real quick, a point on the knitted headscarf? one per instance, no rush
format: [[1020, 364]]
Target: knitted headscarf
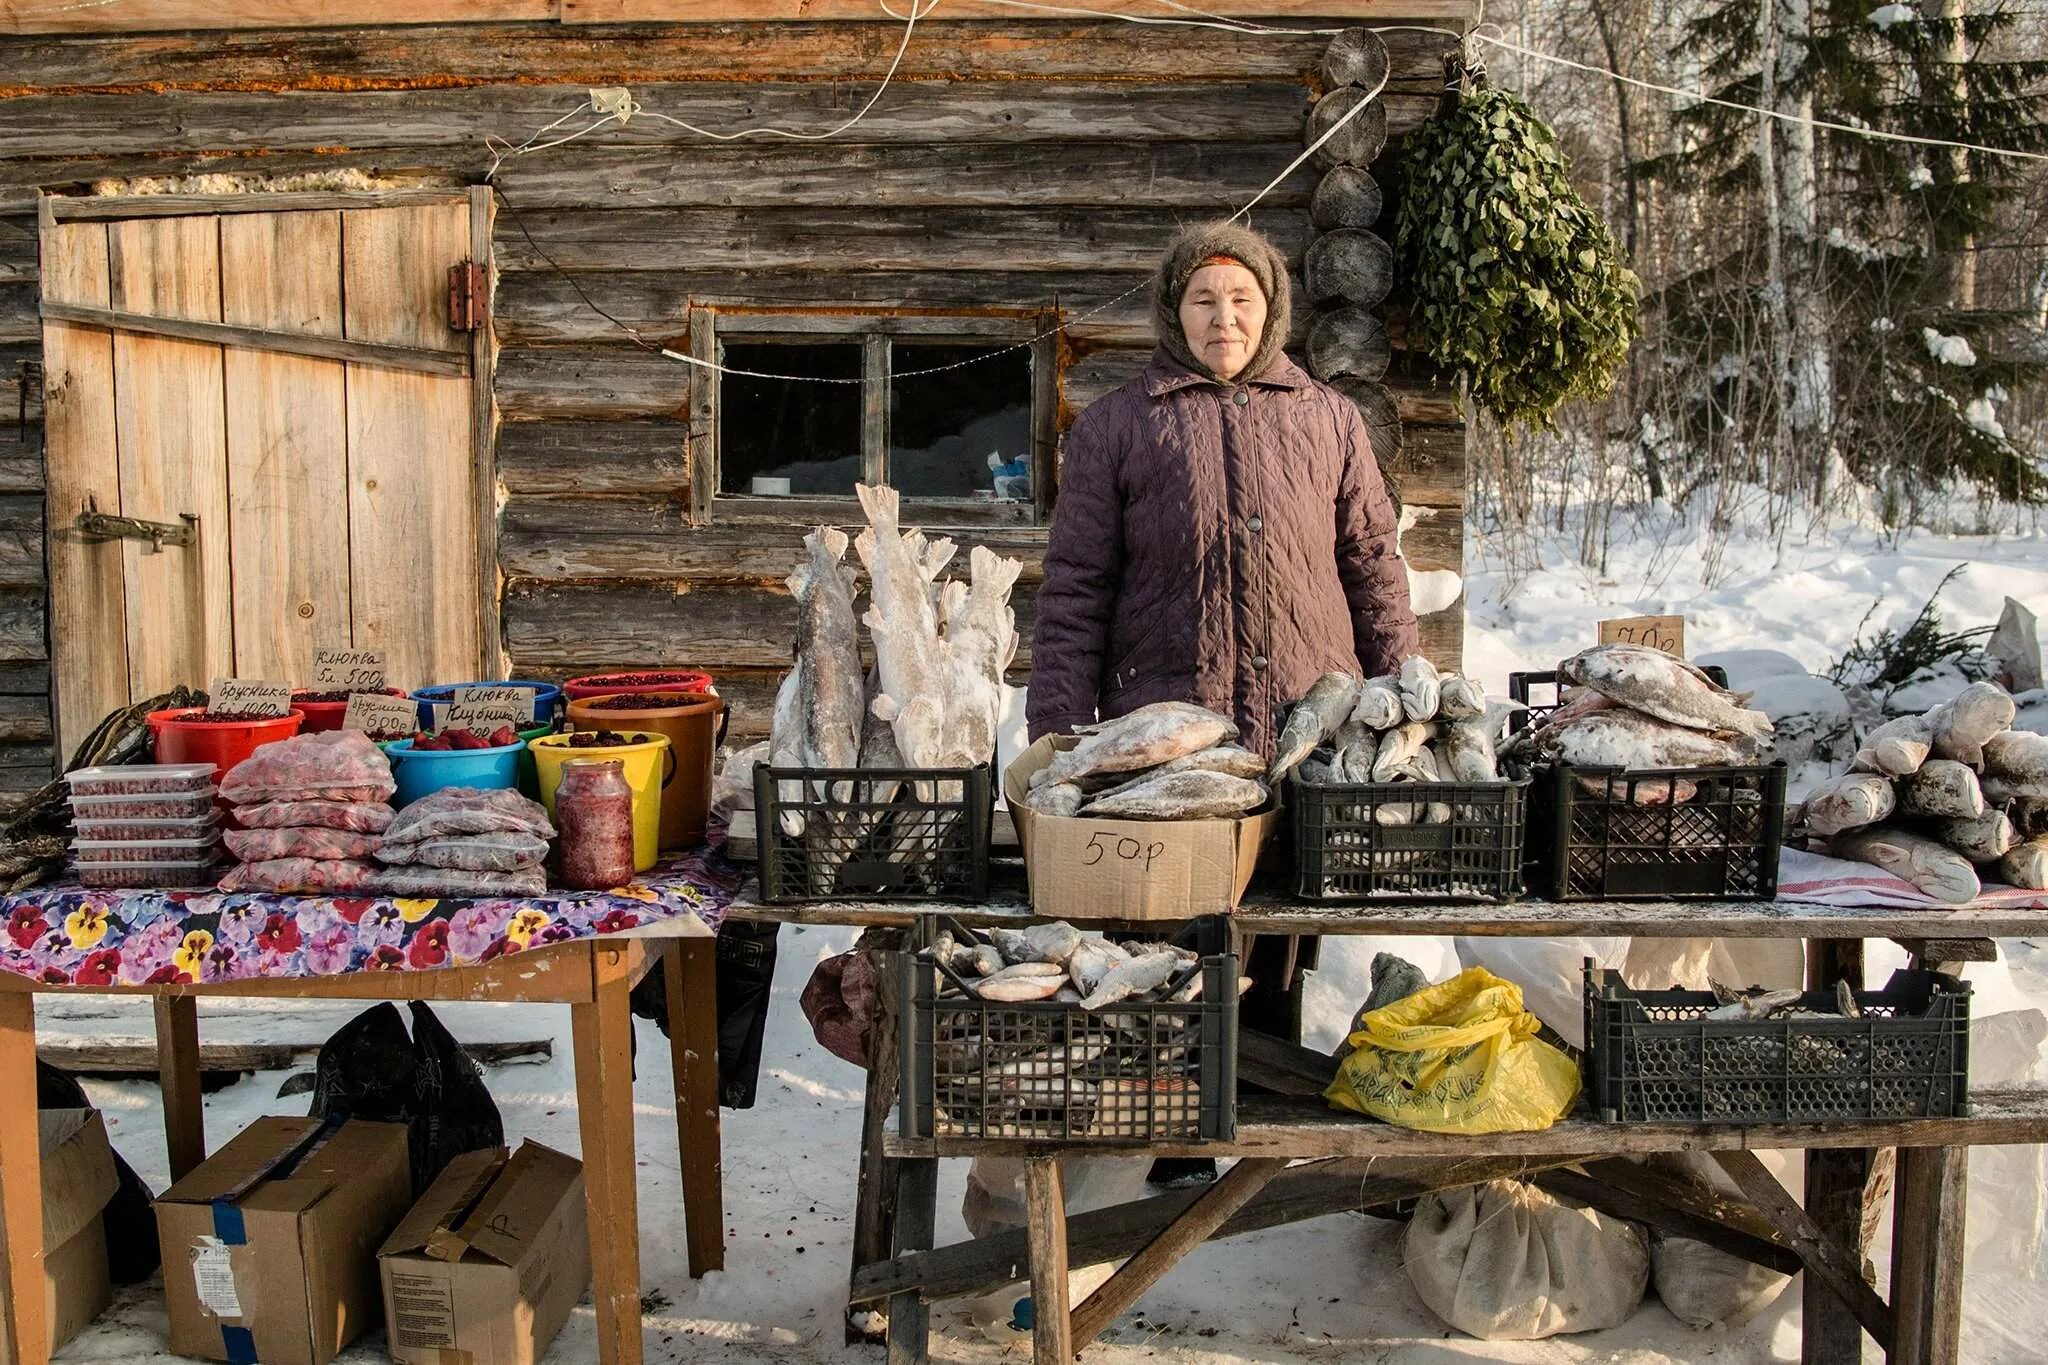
[[1192, 250]]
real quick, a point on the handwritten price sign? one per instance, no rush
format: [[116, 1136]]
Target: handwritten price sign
[[375, 714], [1665, 633], [249, 696], [485, 716], [1121, 848], [348, 669]]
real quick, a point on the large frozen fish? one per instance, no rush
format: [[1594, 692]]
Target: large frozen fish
[[1964, 722], [833, 687], [1019, 990], [1054, 942], [1850, 801], [1943, 787], [2016, 766], [1222, 758], [1315, 719], [1658, 685], [1146, 738], [1939, 871], [1379, 703], [1982, 838], [903, 623], [1421, 688], [1897, 747], [1186, 795], [1622, 738], [1057, 798], [1461, 698], [1469, 744], [981, 639], [786, 746], [1398, 749], [2025, 865], [1147, 973], [1093, 960]]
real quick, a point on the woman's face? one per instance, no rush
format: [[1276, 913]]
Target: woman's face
[[1222, 314]]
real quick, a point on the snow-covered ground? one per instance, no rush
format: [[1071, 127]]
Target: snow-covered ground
[[1327, 1291]]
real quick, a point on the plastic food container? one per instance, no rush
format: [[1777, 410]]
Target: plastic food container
[[130, 851], [95, 830], [547, 699], [141, 779], [185, 874], [422, 772], [167, 806], [649, 762], [327, 715], [646, 680], [182, 739]]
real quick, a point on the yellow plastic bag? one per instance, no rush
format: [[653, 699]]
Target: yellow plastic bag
[[1460, 1057]]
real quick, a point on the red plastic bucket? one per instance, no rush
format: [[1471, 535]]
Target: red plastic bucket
[[649, 680], [179, 739], [327, 715]]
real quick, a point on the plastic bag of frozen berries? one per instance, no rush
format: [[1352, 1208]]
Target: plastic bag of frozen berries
[[334, 765]]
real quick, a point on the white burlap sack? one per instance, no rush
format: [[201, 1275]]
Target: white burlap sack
[[1702, 1285], [1506, 1262]]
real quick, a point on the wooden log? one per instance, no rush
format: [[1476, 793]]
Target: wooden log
[[1361, 140], [18, 321], [371, 121], [1382, 414], [1836, 1269], [1134, 174], [590, 458], [917, 1193], [1348, 197], [123, 1057], [1349, 265], [875, 1186], [1927, 1255], [588, 382], [21, 626], [25, 679], [1045, 1208], [25, 16], [22, 182], [834, 239], [1357, 56], [1347, 340], [778, 11], [392, 57]]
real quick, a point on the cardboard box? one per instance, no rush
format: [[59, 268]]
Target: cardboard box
[[486, 1267], [78, 1180], [1083, 869], [270, 1245]]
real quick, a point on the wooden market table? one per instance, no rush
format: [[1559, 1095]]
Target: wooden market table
[[1352, 1163], [592, 975]]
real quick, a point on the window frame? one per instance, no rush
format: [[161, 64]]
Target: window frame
[[710, 330]]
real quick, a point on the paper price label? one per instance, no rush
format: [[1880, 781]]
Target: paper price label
[[250, 696], [520, 695], [486, 716], [336, 669], [376, 714], [1666, 633], [213, 1278]]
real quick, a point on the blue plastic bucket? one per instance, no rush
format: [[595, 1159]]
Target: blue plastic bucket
[[547, 700], [421, 772]]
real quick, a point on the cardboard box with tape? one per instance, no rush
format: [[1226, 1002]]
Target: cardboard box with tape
[[270, 1245], [487, 1266], [1083, 868], [78, 1180]]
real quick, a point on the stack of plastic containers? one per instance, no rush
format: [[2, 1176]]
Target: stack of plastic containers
[[145, 825]]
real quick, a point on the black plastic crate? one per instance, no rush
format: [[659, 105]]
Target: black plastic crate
[[1652, 1056], [1344, 850], [976, 1068], [1656, 834], [873, 833]]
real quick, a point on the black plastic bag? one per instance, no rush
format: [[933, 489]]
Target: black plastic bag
[[132, 1251], [745, 971], [455, 1112], [371, 1069]]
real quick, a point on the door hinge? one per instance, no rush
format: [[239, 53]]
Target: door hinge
[[97, 525], [468, 296]]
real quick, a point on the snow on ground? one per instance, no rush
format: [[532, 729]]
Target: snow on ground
[[1326, 1291]]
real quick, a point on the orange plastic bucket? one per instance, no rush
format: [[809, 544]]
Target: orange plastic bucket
[[695, 725]]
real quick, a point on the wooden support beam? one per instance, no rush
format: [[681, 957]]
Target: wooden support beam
[[115, 1057], [1680, 1208], [178, 1062], [1282, 1067], [1177, 1239], [417, 358], [1045, 1208], [104, 208], [1837, 1184], [1927, 1255], [874, 1209], [1931, 951], [1829, 1265], [917, 1192]]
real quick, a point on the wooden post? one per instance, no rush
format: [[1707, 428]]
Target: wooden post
[[1045, 1208], [21, 1183], [917, 1194], [177, 1071], [602, 1031], [874, 1210], [1835, 1184], [1927, 1255], [691, 965]]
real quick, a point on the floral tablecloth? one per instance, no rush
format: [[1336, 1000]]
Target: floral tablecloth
[[66, 935]]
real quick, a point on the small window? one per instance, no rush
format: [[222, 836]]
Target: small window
[[942, 409]]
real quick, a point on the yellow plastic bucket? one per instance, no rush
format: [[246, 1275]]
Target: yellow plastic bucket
[[647, 761]]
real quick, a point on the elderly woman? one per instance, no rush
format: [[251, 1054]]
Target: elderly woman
[[1223, 535]]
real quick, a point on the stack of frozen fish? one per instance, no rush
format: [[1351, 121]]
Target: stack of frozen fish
[[1168, 761]]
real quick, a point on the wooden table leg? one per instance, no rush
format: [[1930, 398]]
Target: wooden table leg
[[1927, 1255], [692, 967], [602, 1032], [1045, 1208], [1835, 1186], [21, 1183], [874, 1209], [917, 1195], [177, 1070]]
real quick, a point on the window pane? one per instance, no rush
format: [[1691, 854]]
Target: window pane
[[965, 433], [774, 429]]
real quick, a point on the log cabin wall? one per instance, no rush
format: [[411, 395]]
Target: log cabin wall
[[1029, 168]]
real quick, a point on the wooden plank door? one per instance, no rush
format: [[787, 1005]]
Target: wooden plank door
[[339, 497]]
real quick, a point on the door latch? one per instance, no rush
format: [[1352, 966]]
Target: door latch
[[97, 525]]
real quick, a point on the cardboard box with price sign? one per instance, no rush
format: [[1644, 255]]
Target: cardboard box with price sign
[[1082, 869]]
